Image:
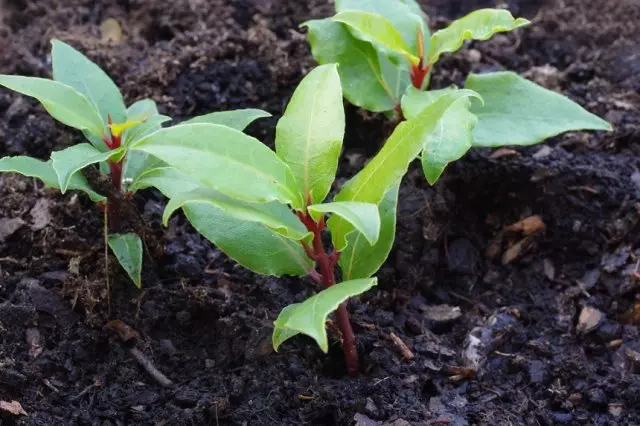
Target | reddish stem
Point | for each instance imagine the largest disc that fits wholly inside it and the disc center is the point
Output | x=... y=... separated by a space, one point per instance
x=325 y=275
x=418 y=74
x=115 y=168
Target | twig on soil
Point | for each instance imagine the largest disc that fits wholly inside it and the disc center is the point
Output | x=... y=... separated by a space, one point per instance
x=148 y=366
x=106 y=262
x=131 y=336
x=96 y=384
x=401 y=346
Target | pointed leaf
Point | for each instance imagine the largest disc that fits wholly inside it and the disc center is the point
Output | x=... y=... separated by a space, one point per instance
x=309 y=134
x=519 y=112
x=251 y=244
x=273 y=215
x=152 y=122
x=76 y=70
x=391 y=163
x=224 y=159
x=63 y=102
x=168 y=180
x=138 y=162
x=478 y=25
x=454 y=133
x=359 y=69
x=128 y=251
x=70 y=160
x=32 y=167
x=363 y=216
x=360 y=259
x=406 y=16
x=309 y=317
x=238 y=119
x=375 y=28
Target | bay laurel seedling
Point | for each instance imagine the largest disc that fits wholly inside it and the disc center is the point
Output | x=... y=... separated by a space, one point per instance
x=82 y=96
x=269 y=210
x=386 y=55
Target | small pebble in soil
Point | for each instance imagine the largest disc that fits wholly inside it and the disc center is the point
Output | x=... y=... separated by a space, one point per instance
x=538 y=372
x=186 y=397
x=597 y=396
x=563 y=418
x=183 y=318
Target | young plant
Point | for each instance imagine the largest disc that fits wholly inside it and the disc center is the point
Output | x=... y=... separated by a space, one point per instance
x=386 y=55
x=268 y=210
x=82 y=96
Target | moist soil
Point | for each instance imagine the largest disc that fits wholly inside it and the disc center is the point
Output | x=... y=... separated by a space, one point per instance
x=532 y=324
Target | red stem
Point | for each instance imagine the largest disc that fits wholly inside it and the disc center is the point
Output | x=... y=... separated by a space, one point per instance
x=115 y=169
x=325 y=275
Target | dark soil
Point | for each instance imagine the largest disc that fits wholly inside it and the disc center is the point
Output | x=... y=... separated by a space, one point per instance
x=514 y=303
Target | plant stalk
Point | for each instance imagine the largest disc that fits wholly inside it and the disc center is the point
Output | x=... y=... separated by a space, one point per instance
x=326 y=264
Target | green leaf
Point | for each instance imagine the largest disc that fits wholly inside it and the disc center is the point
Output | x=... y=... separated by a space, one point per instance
x=251 y=244
x=454 y=133
x=309 y=317
x=359 y=69
x=224 y=159
x=478 y=25
x=238 y=119
x=392 y=161
x=519 y=112
x=128 y=251
x=76 y=70
x=146 y=108
x=309 y=134
x=363 y=216
x=32 y=167
x=273 y=215
x=62 y=102
x=138 y=162
x=361 y=259
x=375 y=28
x=70 y=160
x=168 y=180
x=406 y=16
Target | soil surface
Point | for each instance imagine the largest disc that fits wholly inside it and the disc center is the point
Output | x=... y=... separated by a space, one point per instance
x=545 y=311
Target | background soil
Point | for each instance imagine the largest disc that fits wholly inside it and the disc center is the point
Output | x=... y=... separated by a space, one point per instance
x=205 y=322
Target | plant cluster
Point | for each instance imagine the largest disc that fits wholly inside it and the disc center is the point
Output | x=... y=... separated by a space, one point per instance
x=268 y=209
x=386 y=55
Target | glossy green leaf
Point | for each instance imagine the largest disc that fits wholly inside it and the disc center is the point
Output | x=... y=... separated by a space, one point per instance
x=224 y=159
x=251 y=244
x=73 y=159
x=32 y=167
x=309 y=317
x=72 y=68
x=392 y=161
x=360 y=259
x=519 y=112
x=406 y=16
x=128 y=251
x=168 y=180
x=62 y=102
x=454 y=133
x=375 y=28
x=309 y=134
x=359 y=68
x=363 y=216
x=238 y=119
x=138 y=162
x=153 y=120
x=478 y=25
x=273 y=215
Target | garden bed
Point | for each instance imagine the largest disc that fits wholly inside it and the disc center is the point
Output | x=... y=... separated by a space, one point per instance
x=557 y=311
